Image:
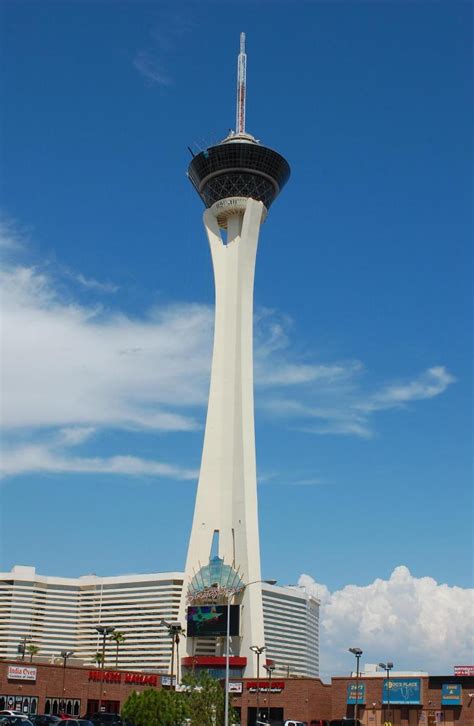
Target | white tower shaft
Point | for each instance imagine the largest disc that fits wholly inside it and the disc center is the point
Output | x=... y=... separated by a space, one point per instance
x=226 y=499
x=241 y=87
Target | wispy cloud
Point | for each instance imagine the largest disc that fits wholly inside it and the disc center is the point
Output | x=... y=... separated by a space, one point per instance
x=40 y=459
x=92 y=284
x=151 y=68
x=95 y=369
x=11 y=239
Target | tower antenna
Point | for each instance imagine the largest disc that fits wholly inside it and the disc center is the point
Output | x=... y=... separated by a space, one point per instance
x=241 y=87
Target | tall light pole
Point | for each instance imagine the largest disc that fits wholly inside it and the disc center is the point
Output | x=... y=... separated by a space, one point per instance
x=387 y=668
x=231 y=595
x=175 y=630
x=104 y=631
x=357 y=652
x=65 y=654
x=258 y=650
x=269 y=668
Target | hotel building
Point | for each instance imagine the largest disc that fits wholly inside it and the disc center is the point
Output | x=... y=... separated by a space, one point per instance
x=60 y=613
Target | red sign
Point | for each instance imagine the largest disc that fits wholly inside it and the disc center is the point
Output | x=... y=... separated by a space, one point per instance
x=464 y=670
x=140 y=679
x=264 y=686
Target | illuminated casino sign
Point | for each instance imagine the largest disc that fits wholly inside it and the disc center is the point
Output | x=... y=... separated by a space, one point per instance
x=139 y=679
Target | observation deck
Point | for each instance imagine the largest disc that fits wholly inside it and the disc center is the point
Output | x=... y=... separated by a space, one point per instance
x=238 y=167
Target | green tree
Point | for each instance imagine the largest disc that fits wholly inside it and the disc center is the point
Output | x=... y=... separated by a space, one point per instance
x=118 y=638
x=206 y=701
x=32 y=650
x=98 y=658
x=201 y=702
x=155 y=708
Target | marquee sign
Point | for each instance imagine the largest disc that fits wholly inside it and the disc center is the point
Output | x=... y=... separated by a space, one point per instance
x=140 y=679
x=264 y=686
x=21 y=673
x=464 y=670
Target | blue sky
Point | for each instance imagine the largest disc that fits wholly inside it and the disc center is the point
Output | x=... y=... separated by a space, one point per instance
x=363 y=327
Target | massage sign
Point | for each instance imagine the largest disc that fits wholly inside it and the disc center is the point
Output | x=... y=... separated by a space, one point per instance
x=139 y=679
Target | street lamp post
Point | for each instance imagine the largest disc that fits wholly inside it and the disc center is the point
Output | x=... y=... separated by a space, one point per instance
x=357 y=652
x=269 y=668
x=65 y=654
x=387 y=668
x=258 y=650
x=103 y=630
x=231 y=595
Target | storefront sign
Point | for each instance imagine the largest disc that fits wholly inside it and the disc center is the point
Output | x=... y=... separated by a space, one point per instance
x=166 y=680
x=356 y=694
x=464 y=670
x=404 y=691
x=21 y=673
x=451 y=694
x=140 y=679
x=235 y=686
x=264 y=686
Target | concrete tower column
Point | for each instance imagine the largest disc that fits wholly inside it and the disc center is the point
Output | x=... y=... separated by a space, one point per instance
x=226 y=501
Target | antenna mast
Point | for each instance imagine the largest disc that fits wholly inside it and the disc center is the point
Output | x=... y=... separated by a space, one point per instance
x=241 y=83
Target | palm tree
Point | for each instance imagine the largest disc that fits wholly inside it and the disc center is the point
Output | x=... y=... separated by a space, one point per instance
x=32 y=650
x=98 y=658
x=119 y=638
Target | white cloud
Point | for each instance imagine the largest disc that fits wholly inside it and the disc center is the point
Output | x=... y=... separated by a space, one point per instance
x=41 y=459
x=417 y=623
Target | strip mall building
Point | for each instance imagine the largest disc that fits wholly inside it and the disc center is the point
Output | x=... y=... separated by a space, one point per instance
x=414 y=701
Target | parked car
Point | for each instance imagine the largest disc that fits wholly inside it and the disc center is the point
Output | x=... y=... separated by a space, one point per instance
x=44 y=719
x=79 y=722
x=7 y=712
x=15 y=720
x=106 y=719
x=319 y=722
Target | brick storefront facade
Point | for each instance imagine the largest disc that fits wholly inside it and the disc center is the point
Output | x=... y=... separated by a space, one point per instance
x=302 y=699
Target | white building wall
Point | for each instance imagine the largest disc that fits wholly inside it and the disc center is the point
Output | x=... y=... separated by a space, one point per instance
x=60 y=613
x=291 y=621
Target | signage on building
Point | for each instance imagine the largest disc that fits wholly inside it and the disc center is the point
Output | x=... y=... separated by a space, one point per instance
x=211 y=620
x=235 y=686
x=464 y=670
x=264 y=686
x=404 y=691
x=166 y=680
x=451 y=694
x=356 y=694
x=21 y=673
x=139 y=679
